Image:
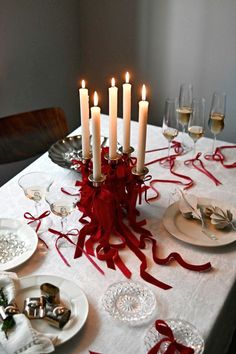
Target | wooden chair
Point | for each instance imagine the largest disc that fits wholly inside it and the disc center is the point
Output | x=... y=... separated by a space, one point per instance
x=30 y=134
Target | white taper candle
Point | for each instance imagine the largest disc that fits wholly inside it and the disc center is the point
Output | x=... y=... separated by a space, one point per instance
x=113 y=92
x=84 y=114
x=96 y=140
x=126 y=114
x=142 y=131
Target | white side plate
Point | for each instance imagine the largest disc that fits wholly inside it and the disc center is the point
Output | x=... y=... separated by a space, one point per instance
x=71 y=296
x=25 y=233
x=189 y=230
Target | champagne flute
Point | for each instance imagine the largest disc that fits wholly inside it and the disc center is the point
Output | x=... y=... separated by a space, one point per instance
x=217 y=115
x=35 y=185
x=62 y=202
x=169 y=126
x=184 y=110
x=197 y=121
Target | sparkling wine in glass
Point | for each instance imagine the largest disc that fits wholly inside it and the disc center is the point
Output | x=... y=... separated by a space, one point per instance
x=62 y=201
x=35 y=185
x=217 y=115
x=169 y=126
x=184 y=110
x=197 y=121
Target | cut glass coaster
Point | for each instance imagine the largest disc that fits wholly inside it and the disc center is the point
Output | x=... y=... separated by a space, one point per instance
x=184 y=333
x=129 y=302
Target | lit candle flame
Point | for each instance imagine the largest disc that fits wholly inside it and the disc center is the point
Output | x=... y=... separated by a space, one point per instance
x=83 y=84
x=113 y=82
x=144 y=93
x=95 y=98
x=127 y=77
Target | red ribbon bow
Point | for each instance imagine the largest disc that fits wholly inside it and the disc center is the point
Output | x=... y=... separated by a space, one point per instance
x=73 y=233
x=163 y=328
x=199 y=165
x=218 y=156
x=38 y=220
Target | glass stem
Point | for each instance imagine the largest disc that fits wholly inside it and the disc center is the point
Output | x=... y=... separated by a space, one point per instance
x=194 y=148
x=63 y=225
x=214 y=145
x=169 y=149
x=37 y=205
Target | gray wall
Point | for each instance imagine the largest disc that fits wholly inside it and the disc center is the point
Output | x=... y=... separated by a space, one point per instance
x=39 y=59
x=163 y=43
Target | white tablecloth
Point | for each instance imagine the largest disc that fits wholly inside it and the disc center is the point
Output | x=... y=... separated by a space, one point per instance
x=207 y=300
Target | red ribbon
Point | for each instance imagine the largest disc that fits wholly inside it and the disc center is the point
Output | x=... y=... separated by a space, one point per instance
x=176 y=145
x=163 y=328
x=37 y=219
x=186 y=185
x=195 y=162
x=73 y=233
x=219 y=156
x=68 y=193
x=104 y=209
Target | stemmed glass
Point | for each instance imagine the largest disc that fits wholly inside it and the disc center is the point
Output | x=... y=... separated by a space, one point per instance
x=169 y=126
x=197 y=121
x=35 y=185
x=62 y=202
x=217 y=115
x=184 y=110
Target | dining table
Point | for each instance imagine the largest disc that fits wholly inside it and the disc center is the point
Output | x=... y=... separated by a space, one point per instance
x=204 y=299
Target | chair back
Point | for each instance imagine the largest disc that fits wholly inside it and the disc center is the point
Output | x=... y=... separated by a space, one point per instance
x=30 y=134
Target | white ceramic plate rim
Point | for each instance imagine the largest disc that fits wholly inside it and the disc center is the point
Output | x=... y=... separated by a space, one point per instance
x=78 y=303
x=30 y=238
x=172 y=212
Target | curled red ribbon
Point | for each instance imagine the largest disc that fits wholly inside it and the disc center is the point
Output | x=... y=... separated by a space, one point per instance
x=186 y=185
x=107 y=206
x=73 y=233
x=198 y=164
x=163 y=328
x=37 y=219
x=218 y=156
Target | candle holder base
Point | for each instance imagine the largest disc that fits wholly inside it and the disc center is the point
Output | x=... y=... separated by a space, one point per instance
x=83 y=159
x=113 y=161
x=140 y=175
x=127 y=153
x=97 y=182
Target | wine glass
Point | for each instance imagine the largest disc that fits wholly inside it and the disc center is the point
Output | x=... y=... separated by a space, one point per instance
x=184 y=110
x=62 y=201
x=169 y=126
x=217 y=115
x=35 y=185
x=197 y=121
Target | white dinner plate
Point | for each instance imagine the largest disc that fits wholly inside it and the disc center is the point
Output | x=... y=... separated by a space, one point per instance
x=71 y=296
x=24 y=233
x=189 y=230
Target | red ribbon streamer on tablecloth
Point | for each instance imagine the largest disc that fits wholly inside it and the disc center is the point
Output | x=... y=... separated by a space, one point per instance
x=163 y=328
x=219 y=156
x=178 y=151
x=187 y=185
x=176 y=145
x=68 y=193
x=195 y=162
x=73 y=233
x=37 y=219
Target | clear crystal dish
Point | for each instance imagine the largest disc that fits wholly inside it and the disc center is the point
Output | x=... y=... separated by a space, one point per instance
x=184 y=333
x=129 y=302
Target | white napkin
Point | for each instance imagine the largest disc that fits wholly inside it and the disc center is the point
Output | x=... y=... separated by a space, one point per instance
x=22 y=338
